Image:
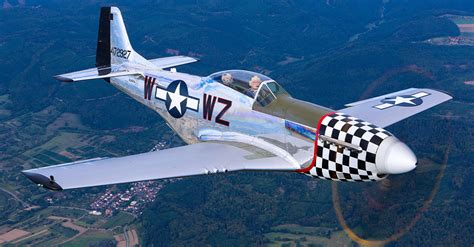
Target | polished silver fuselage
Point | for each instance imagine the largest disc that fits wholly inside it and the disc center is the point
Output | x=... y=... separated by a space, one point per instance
x=315 y=140
x=244 y=124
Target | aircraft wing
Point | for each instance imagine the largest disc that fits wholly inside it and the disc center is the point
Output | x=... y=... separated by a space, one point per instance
x=195 y=159
x=169 y=62
x=388 y=109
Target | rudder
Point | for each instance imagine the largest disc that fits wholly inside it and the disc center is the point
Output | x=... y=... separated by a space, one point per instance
x=102 y=57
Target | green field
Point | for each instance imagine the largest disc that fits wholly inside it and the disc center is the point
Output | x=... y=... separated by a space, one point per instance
x=90 y=237
x=296 y=235
x=120 y=220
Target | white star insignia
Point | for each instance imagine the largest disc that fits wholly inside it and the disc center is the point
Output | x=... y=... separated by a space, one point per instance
x=406 y=100
x=399 y=100
x=176 y=99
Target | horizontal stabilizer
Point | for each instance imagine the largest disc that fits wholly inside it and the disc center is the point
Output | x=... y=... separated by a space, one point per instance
x=169 y=62
x=105 y=72
x=91 y=74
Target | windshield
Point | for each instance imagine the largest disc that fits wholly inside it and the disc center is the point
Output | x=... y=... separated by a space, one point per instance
x=276 y=88
x=265 y=96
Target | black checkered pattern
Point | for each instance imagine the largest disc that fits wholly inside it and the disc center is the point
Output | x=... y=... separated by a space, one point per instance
x=340 y=163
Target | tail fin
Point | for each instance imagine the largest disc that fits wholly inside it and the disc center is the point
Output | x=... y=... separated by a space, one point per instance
x=113 y=45
x=114 y=50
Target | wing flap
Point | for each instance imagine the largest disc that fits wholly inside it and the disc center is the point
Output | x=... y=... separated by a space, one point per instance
x=388 y=109
x=196 y=159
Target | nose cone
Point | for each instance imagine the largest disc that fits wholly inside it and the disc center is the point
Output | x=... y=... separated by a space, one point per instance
x=394 y=157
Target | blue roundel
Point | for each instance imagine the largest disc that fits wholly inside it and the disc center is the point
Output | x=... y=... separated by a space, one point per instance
x=176 y=98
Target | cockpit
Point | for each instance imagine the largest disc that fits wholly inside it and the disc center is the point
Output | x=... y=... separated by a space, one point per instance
x=254 y=85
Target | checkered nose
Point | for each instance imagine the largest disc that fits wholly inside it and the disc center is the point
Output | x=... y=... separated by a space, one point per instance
x=394 y=157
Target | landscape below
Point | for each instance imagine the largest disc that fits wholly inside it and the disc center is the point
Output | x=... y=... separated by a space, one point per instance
x=328 y=52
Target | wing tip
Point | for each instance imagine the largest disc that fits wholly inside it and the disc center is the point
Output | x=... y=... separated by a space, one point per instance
x=194 y=58
x=445 y=92
x=42 y=180
x=63 y=78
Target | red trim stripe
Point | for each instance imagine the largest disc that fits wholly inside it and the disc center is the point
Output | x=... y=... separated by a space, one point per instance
x=307 y=169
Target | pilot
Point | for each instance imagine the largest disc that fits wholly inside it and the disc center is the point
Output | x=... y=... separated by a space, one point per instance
x=227 y=79
x=254 y=84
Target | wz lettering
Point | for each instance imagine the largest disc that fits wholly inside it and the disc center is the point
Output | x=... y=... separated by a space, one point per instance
x=209 y=102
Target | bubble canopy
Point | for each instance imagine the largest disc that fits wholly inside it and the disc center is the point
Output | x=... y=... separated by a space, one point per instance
x=242 y=80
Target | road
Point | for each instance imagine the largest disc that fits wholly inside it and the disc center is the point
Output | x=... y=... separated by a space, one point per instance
x=23 y=203
x=125 y=234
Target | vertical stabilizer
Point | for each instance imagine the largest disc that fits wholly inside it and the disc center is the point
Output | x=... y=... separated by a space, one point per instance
x=113 y=45
x=120 y=48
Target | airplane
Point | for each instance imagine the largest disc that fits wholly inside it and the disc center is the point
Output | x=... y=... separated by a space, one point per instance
x=237 y=120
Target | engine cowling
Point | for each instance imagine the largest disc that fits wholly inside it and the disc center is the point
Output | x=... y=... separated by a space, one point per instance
x=350 y=149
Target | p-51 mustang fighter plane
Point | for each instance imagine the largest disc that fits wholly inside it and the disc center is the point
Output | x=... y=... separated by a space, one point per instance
x=238 y=120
